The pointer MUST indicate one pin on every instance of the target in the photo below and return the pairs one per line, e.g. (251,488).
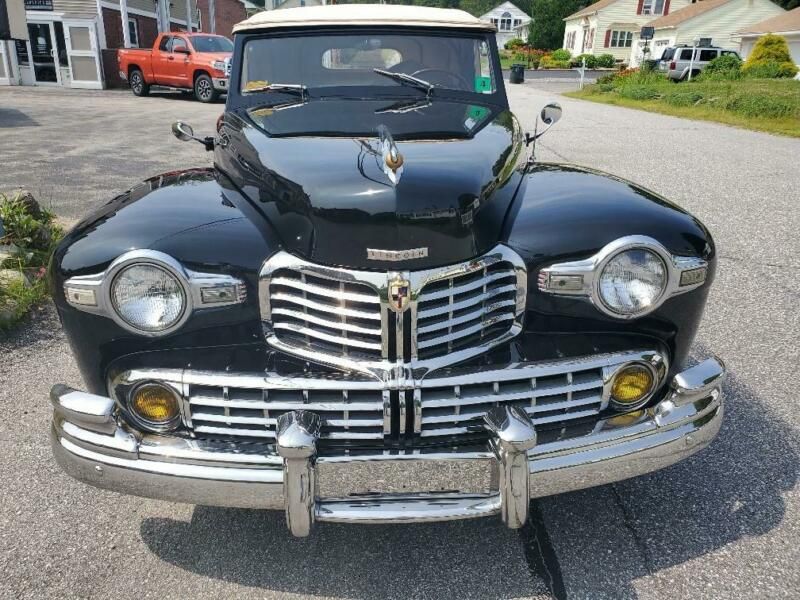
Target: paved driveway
(724,524)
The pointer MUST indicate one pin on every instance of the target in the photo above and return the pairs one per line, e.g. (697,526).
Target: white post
(126,30)
(691,60)
(582,70)
(188,16)
(212,17)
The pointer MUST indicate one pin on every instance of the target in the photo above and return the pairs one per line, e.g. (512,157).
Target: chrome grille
(349,319)
(466,309)
(350,410)
(329,316)
(455,405)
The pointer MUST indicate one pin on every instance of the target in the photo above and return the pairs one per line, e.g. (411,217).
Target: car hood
(209,56)
(317,171)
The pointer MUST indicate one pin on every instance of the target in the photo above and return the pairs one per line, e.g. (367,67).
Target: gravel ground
(723,524)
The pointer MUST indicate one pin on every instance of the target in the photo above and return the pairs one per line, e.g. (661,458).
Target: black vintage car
(376,307)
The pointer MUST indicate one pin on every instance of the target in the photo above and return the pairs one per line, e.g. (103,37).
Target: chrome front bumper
(92,447)
(220,83)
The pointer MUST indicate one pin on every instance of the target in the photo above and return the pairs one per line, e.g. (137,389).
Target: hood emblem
(392,159)
(399,294)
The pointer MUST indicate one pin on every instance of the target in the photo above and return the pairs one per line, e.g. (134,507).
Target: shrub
(761,105)
(769,70)
(770,48)
(683,97)
(549,62)
(723,68)
(514,44)
(605,87)
(28,237)
(770,59)
(638,92)
(607,79)
(591,61)
(605,61)
(561,54)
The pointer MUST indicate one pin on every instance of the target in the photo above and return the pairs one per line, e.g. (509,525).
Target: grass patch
(28,236)
(771,105)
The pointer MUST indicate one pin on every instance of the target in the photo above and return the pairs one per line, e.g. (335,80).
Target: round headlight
(148,298)
(632,282)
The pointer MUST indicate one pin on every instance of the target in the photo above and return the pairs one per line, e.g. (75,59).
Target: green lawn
(771,105)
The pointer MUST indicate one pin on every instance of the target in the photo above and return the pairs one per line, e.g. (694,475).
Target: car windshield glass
(328,61)
(211,43)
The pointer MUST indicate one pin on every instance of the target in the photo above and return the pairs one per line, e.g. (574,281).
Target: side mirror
(184,132)
(550,115)
(181,50)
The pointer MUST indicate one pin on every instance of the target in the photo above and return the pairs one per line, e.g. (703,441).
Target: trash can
(517,74)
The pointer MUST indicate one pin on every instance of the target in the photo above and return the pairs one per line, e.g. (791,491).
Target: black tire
(204,89)
(139,86)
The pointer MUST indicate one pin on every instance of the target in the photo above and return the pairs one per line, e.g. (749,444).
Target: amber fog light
(155,405)
(631,385)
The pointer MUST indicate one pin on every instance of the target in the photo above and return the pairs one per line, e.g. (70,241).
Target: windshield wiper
(291,88)
(405,78)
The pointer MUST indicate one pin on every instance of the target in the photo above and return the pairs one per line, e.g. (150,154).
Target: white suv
(676,61)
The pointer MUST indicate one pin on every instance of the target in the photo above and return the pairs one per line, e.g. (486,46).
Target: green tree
(547,27)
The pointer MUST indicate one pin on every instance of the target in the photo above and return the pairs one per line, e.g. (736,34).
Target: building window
(621,39)
(653,7)
(505,22)
(133,32)
(590,39)
(570,41)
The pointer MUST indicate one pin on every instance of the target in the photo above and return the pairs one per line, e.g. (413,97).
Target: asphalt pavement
(723,524)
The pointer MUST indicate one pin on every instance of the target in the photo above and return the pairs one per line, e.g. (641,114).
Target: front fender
(564,213)
(195,216)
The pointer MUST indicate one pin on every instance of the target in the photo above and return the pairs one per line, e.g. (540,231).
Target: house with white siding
(72,43)
(786,25)
(720,20)
(511,22)
(609,26)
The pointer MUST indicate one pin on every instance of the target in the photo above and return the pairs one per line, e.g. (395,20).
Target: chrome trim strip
(589,269)
(192,283)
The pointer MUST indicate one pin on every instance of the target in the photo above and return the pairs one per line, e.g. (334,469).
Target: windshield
(211,43)
(328,61)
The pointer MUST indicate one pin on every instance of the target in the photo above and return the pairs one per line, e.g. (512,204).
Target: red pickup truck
(193,61)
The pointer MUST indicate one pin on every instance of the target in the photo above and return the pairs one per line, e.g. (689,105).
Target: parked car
(377,306)
(677,62)
(197,62)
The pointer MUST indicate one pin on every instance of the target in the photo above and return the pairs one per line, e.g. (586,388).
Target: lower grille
(243,406)
(454,406)
(440,413)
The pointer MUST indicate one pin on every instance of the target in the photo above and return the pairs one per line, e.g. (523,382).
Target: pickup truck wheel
(204,89)
(138,85)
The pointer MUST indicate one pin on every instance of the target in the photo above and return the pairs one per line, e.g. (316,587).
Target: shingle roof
(684,14)
(592,8)
(788,21)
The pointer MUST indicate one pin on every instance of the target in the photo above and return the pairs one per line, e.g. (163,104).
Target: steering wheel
(454,76)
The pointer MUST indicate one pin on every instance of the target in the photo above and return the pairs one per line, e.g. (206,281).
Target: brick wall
(228,13)
(148,32)
(147,27)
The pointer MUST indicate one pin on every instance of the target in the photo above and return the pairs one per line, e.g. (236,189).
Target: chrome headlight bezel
(94,293)
(164,263)
(582,278)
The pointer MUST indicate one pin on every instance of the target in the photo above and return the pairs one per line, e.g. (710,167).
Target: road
(723,524)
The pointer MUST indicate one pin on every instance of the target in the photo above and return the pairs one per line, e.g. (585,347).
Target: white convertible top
(363,14)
